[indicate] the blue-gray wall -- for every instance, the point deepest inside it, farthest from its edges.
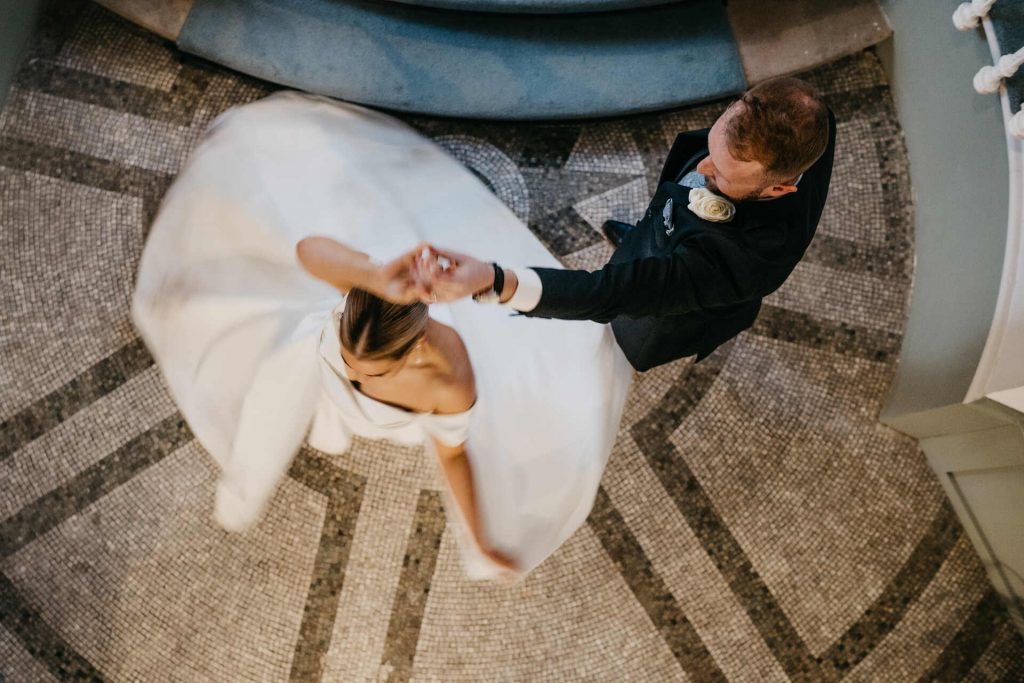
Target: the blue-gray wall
(959, 175)
(17, 21)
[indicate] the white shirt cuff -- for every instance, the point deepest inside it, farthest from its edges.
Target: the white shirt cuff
(528, 292)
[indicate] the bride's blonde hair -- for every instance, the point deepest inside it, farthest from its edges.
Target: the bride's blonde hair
(374, 329)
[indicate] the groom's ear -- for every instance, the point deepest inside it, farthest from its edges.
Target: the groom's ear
(777, 190)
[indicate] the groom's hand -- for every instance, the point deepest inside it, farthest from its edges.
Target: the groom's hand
(462, 276)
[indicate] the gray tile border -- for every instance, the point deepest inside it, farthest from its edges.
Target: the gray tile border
(42, 642)
(413, 587)
(117, 136)
(1003, 660)
(840, 338)
(47, 412)
(48, 511)
(565, 232)
(344, 491)
(855, 257)
(970, 642)
(899, 594)
(176, 106)
(103, 38)
(874, 105)
(764, 611)
(651, 592)
(76, 167)
(651, 434)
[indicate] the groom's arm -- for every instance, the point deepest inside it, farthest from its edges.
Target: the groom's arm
(704, 275)
(674, 284)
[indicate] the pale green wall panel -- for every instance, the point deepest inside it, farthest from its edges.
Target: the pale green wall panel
(959, 175)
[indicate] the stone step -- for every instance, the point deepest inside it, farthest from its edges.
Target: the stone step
(476, 65)
(536, 6)
(774, 37)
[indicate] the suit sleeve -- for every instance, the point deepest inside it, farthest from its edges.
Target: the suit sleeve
(705, 274)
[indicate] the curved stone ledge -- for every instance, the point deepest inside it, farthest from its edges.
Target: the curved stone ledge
(537, 6)
(476, 65)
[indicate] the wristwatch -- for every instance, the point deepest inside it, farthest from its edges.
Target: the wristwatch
(492, 295)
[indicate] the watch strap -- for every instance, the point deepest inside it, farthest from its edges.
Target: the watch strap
(493, 293)
(499, 280)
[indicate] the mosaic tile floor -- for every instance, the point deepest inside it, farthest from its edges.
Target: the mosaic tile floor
(755, 523)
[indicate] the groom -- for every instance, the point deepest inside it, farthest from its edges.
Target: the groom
(734, 211)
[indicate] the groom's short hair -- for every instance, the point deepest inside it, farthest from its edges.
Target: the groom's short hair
(782, 124)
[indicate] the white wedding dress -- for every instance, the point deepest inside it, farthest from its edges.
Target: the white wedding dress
(244, 336)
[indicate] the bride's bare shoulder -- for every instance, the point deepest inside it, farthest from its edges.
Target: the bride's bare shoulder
(456, 386)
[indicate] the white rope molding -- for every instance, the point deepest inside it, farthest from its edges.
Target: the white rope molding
(989, 78)
(1016, 125)
(969, 14)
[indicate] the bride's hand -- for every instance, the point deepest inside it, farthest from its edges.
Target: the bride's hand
(503, 561)
(462, 276)
(401, 280)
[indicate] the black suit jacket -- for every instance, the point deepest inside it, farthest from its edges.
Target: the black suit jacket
(671, 296)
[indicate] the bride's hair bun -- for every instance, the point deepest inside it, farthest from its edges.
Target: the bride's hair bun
(374, 329)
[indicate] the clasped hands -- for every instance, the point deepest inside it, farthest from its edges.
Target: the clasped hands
(432, 275)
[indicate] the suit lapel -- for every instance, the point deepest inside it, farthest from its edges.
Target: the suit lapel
(683, 149)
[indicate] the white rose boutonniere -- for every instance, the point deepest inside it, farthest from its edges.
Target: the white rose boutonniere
(709, 206)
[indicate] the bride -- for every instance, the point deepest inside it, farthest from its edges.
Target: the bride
(261, 294)
(389, 365)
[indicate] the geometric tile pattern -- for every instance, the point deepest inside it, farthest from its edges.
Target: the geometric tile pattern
(755, 522)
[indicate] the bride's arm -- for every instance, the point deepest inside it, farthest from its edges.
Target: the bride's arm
(459, 474)
(344, 268)
(334, 263)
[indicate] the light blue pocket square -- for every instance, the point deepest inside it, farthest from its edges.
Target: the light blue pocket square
(693, 180)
